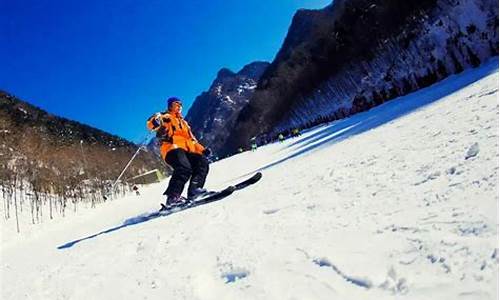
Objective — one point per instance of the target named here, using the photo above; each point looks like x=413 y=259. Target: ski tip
x=256 y=177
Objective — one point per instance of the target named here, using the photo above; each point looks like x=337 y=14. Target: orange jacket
x=173 y=132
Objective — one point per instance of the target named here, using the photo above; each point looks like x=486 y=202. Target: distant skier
x=253 y=143
x=180 y=149
x=136 y=189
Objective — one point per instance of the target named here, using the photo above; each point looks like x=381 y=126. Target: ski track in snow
x=406 y=209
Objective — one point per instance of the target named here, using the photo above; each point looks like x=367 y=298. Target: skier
x=180 y=149
x=253 y=143
x=295 y=132
x=136 y=189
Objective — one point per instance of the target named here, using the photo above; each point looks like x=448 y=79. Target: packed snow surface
x=400 y=202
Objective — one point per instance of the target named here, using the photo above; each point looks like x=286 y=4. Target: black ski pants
x=186 y=165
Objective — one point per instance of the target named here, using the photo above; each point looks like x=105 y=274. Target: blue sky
x=111 y=64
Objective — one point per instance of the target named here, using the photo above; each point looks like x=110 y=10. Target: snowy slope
x=399 y=202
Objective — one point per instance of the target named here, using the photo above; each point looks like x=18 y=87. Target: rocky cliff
x=213 y=113
x=355 y=54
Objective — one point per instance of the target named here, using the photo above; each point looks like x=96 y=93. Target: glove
x=157 y=121
x=207 y=152
x=158 y=118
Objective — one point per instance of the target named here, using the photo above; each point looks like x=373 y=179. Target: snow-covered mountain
x=50 y=165
x=213 y=113
x=356 y=54
x=398 y=202
x=52 y=153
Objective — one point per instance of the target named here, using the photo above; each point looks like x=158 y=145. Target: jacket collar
x=179 y=115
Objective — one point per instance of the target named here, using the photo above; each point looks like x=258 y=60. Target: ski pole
x=141 y=147
x=126 y=167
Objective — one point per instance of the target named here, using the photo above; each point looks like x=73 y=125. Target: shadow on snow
x=129 y=222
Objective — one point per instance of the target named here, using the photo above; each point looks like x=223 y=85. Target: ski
x=211 y=197
x=203 y=200
x=256 y=177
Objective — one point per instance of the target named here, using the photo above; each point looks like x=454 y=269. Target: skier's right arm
x=154 y=122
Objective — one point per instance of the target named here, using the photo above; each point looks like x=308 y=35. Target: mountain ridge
x=353 y=55
x=42 y=148
x=213 y=112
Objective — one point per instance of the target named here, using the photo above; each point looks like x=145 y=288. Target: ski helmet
x=172 y=100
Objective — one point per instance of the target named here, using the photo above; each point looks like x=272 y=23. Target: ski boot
x=175 y=201
x=198 y=193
